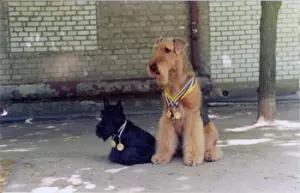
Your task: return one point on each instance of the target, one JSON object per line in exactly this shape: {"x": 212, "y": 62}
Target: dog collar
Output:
{"x": 120, "y": 146}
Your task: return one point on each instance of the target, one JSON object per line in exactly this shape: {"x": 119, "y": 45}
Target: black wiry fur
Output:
{"x": 139, "y": 144}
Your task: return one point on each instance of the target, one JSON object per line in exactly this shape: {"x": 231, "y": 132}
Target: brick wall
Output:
{"x": 5, "y": 73}
{"x": 129, "y": 35}
{"x": 39, "y": 26}
{"x": 288, "y": 50}
{"x": 234, "y": 39}
{"x": 125, "y": 33}
{"x": 42, "y": 49}
{"x": 3, "y": 32}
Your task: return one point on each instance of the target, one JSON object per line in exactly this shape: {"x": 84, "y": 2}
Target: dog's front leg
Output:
{"x": 212, "y": 152}
{"x": 193, "y": 139}
{"x": 166, "y": 142}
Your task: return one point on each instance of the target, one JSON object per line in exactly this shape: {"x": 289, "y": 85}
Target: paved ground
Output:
{"x": 66, "y": 156}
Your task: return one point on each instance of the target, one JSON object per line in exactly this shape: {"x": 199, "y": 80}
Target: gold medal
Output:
{"x": 113, "y": 143}
{"x": 169, "y": 114}
{"x": 120, "y": 147}
{"x": 177, "y": 115}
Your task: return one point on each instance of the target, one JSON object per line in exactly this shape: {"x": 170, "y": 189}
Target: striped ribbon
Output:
{"x": 187, "y": 89}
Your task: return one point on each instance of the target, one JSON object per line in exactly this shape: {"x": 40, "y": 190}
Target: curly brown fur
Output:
{"x": 171, "y": 69}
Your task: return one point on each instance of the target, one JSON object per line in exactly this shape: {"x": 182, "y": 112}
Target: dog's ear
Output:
{"x": 179, "y": 45}
{"x": 160, "y": 39}
{"x": 119, "y": 105}
{"x": 106, "y": 102}
{"x": 157, "y": 41}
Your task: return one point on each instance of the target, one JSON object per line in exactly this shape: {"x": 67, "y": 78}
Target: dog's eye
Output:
{"x": 167, "y": 50}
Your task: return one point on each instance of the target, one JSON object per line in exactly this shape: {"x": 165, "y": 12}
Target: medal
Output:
{"x": 113, "y": 143}
{"x": 173, "y": 102}
{"x": 169, "y": 114}
{"x": 177, "y": 115}
{"x": 120, "y": 147}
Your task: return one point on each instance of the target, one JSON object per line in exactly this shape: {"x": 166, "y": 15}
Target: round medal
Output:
{"x": 169, "y": 114}
{"x": 120, "y": 147}
{"x": 177, "y": 115}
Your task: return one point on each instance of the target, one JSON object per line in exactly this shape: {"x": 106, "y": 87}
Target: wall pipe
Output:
{"x": 206, "y": 83}
{"x": 194, "y": 34}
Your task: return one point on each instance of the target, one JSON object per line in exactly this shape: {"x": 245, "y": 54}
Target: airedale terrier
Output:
{"x": 182, "y": 103}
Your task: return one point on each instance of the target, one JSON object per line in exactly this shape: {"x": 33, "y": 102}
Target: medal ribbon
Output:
{"x": 121, "y": 129}
{"x": 119, "y": 146}
{"x": 187, "y": 89}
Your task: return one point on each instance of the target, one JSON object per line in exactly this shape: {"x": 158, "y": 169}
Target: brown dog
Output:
{"x": 181, "y": 103}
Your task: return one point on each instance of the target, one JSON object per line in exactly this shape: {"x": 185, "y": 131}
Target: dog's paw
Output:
{"x": 193, "y": 161}
{"x": 160, "y": 159}
{"x": 213, "y": 155}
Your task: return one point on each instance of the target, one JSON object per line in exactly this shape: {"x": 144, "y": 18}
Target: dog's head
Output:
{"x": 168, "y": 58}
{"x": 112, "y": 118}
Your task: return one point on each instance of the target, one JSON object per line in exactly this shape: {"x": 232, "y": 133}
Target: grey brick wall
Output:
{"x": 59, "y": 40}
{"x": 128, "y": 35}
{"x": 5, "y": 67}
{"x": 40, "y": 26}
{"x": 40, "y": 50}
{"x": 3, "y": 31}
{"x": 234, "y": 39}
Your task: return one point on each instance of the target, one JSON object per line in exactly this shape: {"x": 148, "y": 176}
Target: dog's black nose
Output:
{"x": 153, "y": 67}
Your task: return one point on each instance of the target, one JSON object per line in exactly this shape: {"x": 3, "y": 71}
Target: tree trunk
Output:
{"x": 267, "y": 60}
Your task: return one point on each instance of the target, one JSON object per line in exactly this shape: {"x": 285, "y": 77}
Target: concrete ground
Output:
{"x": 66, "y": 156}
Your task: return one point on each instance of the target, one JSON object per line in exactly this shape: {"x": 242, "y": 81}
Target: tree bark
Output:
{"x": 267, "y": 60}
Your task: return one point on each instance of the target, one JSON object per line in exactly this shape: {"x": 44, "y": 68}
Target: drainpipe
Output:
{"x": 205, "y": 79}
{"x": 194, "y": 34}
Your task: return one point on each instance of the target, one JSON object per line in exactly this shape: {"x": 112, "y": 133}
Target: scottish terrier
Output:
{"x": 130, "y": 144}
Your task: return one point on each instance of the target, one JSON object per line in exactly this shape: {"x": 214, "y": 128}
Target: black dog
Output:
{"x": 130, "y": 144}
